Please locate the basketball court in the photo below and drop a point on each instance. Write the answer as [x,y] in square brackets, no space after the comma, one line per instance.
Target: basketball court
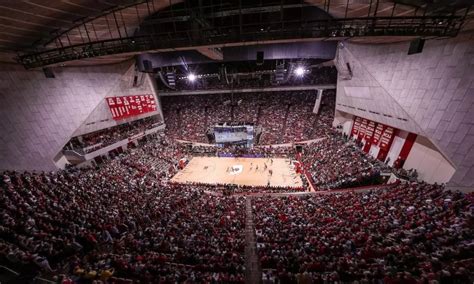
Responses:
[240,171]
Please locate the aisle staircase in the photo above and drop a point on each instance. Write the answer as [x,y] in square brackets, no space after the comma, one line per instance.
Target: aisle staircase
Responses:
[178,114]
[259,114]
[253,273]
[283,128]
[206,117]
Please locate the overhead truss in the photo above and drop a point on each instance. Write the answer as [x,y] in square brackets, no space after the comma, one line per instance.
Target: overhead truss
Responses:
[192,25]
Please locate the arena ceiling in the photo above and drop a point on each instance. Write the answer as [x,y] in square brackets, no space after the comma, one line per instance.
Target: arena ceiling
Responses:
[30,25]
[35,25]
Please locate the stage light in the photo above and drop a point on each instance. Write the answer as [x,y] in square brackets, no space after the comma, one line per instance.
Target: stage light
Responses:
[299,71]
[191,77]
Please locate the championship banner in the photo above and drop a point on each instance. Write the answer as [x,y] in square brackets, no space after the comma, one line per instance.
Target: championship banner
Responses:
[386,139]
[369,132]
[362,128]
[128,106]
[378,133]
[356,126]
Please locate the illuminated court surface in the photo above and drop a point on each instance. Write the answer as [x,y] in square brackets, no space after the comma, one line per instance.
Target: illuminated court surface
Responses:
[240,171]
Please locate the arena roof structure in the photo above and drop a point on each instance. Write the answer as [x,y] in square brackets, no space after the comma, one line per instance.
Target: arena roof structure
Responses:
[42,33]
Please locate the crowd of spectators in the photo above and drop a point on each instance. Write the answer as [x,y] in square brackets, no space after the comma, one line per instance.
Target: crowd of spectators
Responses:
[187,117]
[302,124]
[334,162]
[408,233]
[232,189]
[285,117]
[95,140]
[122,219]
[125,220]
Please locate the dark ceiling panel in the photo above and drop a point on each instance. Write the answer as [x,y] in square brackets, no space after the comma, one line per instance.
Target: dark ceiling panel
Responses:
[29,25]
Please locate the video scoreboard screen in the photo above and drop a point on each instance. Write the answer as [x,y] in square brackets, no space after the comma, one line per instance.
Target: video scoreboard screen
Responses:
[241,134]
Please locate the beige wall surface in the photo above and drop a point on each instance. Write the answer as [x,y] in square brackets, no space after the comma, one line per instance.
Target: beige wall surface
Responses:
[430,93]
[39,114]
[431,165]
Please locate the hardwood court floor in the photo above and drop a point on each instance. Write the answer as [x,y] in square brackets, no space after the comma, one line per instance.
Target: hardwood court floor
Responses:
[214,170]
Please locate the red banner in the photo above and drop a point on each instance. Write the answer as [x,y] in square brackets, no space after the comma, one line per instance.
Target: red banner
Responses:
[386,139]
[363,127]
[356,126]
[378,133]
[128,106]
[369,131]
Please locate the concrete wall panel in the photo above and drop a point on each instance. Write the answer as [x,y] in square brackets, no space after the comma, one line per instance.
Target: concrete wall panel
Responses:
[101,118]
[432,90]
[38,115]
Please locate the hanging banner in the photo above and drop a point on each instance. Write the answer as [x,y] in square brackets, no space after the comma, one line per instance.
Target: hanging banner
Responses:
[369,132]
[386,139]
[378,133]
[356,126]
[128,106]
[363,127]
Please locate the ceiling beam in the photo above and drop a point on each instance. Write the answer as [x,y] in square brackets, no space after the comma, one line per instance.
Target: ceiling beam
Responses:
[212,53]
